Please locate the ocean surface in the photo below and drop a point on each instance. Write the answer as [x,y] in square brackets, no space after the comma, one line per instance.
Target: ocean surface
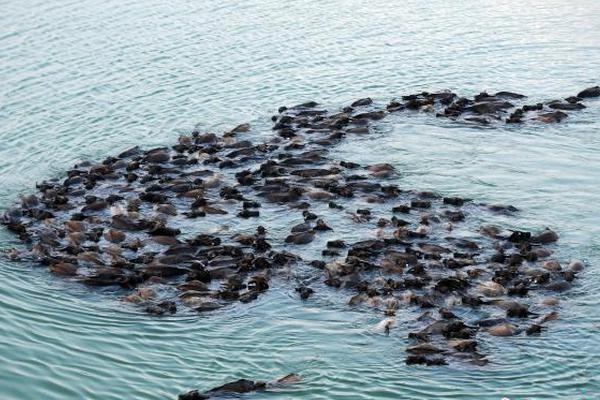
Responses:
[85,79]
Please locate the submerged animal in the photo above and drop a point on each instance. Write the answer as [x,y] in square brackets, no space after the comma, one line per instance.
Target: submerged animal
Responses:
[240,386]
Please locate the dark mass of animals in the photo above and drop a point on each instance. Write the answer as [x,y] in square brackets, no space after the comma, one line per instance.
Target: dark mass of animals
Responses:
[152,222]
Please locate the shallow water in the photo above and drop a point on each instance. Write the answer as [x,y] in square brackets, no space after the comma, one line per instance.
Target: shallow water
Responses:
[84,79]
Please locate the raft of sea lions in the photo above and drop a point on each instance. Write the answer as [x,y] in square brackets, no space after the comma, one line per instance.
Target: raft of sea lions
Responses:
[158,223]
[484,108]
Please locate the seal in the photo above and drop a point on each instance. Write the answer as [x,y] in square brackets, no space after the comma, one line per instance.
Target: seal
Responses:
[240,386]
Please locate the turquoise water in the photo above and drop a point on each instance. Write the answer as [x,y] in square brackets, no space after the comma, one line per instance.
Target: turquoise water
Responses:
[85,79]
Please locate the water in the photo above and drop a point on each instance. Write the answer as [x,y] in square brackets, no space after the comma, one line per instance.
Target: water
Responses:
[84,79]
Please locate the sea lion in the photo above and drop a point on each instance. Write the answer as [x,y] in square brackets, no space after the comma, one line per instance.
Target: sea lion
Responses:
[421,359]
[513,308]
[303,227]
[159,155]
[140,295]
[161,308]
[300,238]
[383,167]
[94,204]
[559,286]
[593,91]
[551,316]
[64,269]
[162,230]
[424,348]
[334,205]
[240,386]
[534,329]
[373,115]
[516,117]
[305,292]
[320,195]
[552,117]
[576,265]
[558,105]
[463,345]
[246,213]
[550,301]
[385,325]
[542,252]
[128,222]
[362,102]
[394,106]
[337,244]
[509,95]
[455,201]
[552,265]
[489,107]
[321,226]
[133,151]
[504,329]
[164,240]
[242,128]
[114,236]
[502,208]
[168,209]
[479,120]
[545,237]
[491,289]
[533,107]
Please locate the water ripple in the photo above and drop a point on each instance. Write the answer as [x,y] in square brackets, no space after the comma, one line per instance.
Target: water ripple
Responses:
[83,79]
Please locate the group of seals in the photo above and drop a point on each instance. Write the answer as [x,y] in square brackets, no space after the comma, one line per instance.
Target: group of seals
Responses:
[485,108]
[142,221]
